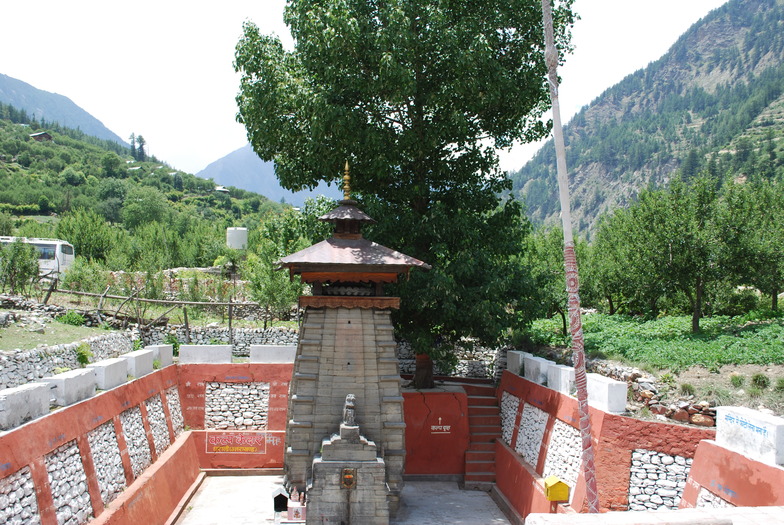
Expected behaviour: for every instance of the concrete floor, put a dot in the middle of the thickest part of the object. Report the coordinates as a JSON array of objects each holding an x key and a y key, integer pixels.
[{"x": 245, "y": 500}]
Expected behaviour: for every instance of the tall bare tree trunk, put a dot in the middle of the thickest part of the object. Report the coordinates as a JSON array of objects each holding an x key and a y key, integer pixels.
[{"x": 570, "y": 265}]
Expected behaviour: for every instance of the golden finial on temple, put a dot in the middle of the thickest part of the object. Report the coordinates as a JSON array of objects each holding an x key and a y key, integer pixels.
[{"x": 346, "y": 186}]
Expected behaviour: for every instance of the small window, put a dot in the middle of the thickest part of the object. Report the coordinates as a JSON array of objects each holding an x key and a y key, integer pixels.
[
  {"x": 46, "y": 251},
  {"x": 67, "y": 249}
]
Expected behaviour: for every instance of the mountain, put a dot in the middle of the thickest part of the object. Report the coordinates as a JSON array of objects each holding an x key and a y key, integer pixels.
[
  {"x": 244, "y": 169},
  {"x": 43, "y": 105},
  {"x": 714, "y": 101}
]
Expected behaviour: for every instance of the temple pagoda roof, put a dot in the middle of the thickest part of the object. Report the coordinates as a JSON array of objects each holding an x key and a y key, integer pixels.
[{"x": 354, "y": 255}]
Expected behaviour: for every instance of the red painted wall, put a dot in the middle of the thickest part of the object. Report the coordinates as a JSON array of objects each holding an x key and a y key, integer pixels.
[
  {"x": 614, "y": 439},
  {"x": 436, "y": 432},
  {"x": 733, "y": 477},
  {"x": 158, "y": 490}
]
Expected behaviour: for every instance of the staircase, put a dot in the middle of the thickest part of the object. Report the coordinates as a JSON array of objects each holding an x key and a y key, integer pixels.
[{"x": 484, "y": 416}]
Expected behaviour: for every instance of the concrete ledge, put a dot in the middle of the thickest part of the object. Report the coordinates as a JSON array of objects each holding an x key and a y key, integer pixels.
[
  {"x": 561, "y": 378},
  {"x": 72, "y": 386},
  {"x": 193, "y": 354},
  {"x": 109, "y": 373},
  {"x": 751, "y": 433},
  {"x": 514, "y": 360},
  {"x": 606, "y": 394},
  {"x": 139, "y": 362},
  {"x": 162, "y": 353},
  {"x": 23, "y": 403},
  {"x": 536, "y": 369},
  {"x": 272, "y": 353}
]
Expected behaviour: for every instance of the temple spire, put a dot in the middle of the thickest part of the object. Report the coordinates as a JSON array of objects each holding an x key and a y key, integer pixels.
[{"x": 346, "y": 183}]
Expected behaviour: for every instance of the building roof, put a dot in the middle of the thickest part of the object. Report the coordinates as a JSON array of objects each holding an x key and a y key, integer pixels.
[{"x": 358, "y": 254}]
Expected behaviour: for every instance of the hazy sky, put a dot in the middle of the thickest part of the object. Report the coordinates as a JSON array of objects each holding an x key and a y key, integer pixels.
[{"x": 163, "y": 68}]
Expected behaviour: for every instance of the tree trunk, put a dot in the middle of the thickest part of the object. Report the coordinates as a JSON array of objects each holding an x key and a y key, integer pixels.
[
  {"x": 612, "y": 305},
  {"x": 423, "y": 374},
  {"x": 563, "y": 321},
  {"x": 774, "y": 299},
  {"x": 697, "y": 312}
]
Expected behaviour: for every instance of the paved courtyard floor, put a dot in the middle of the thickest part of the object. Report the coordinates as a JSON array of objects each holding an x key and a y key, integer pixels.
[{"x": 245, "y": 500}]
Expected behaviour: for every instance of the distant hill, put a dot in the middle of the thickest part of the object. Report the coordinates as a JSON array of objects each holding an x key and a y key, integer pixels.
[
  {"x": 52, "y": 108},
  {"x": 244, "y": 169},
  {"x": 717, "y": 92}
]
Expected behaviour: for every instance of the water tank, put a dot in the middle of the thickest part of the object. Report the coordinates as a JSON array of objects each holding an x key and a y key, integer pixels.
[{"x": 237, "y": 238}]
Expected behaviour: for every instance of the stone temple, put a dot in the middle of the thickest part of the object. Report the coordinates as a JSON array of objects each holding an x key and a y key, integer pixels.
[{"x": 352, "y": 471}]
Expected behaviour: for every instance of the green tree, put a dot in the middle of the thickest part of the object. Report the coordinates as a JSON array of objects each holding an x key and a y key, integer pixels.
[
  {"x": 416, "y": 94},
  {"x": 6, "y": 223},
  {"x": 754, "y": 235},
  {"x": 91, "y": 236},
  {"x": 270, "y": 288},
  {"x": 144, "y": 205},
  {"x": 18, "y": 266}
]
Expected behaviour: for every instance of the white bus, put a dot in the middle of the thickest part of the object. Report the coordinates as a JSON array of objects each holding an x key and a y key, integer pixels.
[{"x": 54, "y": 255}]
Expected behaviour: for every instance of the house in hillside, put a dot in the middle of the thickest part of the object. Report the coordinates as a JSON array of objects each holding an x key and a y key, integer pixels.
[{"x": 41, "y": 136}]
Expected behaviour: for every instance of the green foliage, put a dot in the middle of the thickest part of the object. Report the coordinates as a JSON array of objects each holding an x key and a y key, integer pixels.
[
  {"x": 83, "y": 353},
  {"x": 779, "y": 388},
  {"x": 85, "y": 276},
  {"x": 754, "y": 392},
  {"x": 72, "y": 318},
  {"x": 6, "y": 224},
  {"x": 687, "y": 389},
  {"x": 18, "y": 266},
  {"x": 760, "y": 381},
  {"x": 737, "y": 380},
  {"x": 272, "y": 289},
  {"x": 416, "y": 95},
  {"x": 668, "y": 343},
  {"x": 171, "y": 339}
]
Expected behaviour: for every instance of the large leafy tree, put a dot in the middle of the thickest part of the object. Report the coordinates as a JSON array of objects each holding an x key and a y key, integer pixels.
[{"x": 416, "y": 94}]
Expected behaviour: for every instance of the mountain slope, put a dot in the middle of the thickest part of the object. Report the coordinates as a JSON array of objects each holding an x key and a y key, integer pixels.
[
  {"x": 52, "y": 108},
  {"x": 718, "y": 83},
  {"x": 244, "y": 169}
]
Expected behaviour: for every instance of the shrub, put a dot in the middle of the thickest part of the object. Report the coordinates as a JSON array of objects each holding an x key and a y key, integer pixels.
[
  {"x": 171, "y": 339},
  {"x": 760, "y": 381},
  {"x": 754, "y": 392},
  {"x": 687, "y": 389},
  {"x": 83, "y": 354},
  {"x": 779, "y": 385},
  {"x": 72, "y": 318},
  {"x": 737, "y": 380}
]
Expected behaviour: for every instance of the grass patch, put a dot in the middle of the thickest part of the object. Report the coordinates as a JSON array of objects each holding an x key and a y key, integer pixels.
[
  {"x": 13, "y": 337},
  {"x": 760, "y": 381},
  {"x": 668, "y": 343},
  {"x": 737, "y": 380}
]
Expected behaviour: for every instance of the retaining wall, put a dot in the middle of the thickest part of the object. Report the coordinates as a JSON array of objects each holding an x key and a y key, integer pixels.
[
  {"x": 540, "y": 437},
  {"x": 18, "y": 367}
]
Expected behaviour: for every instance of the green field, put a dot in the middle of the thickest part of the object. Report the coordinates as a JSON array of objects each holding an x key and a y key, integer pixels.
[{"x": 667, "y": 343}]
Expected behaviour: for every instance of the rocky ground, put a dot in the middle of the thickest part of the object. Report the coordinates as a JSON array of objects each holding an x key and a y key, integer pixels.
[{"x": 692, "y": 395}]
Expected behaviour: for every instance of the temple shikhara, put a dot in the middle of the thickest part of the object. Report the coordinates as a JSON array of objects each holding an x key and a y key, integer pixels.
[{"x": 347, "y": 350}]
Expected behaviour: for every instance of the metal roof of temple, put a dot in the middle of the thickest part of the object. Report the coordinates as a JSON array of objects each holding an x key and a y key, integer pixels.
[
  {"x": 359, "y": 253},
  {"x": 347, "y": 211}
]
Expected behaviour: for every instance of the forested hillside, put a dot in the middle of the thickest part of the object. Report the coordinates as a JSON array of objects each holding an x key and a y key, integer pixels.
[
  {"x": 714, "y": 102},
  {"x": 117, "y": 206}
]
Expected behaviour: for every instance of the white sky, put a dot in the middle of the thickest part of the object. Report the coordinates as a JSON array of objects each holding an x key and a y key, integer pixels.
[{"x": 163, "y": 68}]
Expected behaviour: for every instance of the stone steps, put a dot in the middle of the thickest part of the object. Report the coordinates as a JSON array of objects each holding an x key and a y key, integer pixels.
[{"x": 484, "y": 428}]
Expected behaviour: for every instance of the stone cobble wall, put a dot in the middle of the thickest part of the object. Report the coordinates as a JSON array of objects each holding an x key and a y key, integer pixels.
[
  {"x": 243, "y": 337},
  {"x": 157, "y": 420},
  {"x": 657, "y": 480},
  {"x": 19, "y": 367},
  {"x": 175, "y": 409},
  {"x": 564, "y": 453},
  {"x": 236, "y": 406},
  {"x": 529, "y": 437},
  {"x": 18, "y": 504},
  {"x": 136, "y": 440},
  {"x": 479, "y": 362},
  {"x": 706, "y": 498},
  {"x": 509, "y": 407},
  {"x": 68, "y": 483},
  {"x": 108, "y": 463}
]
